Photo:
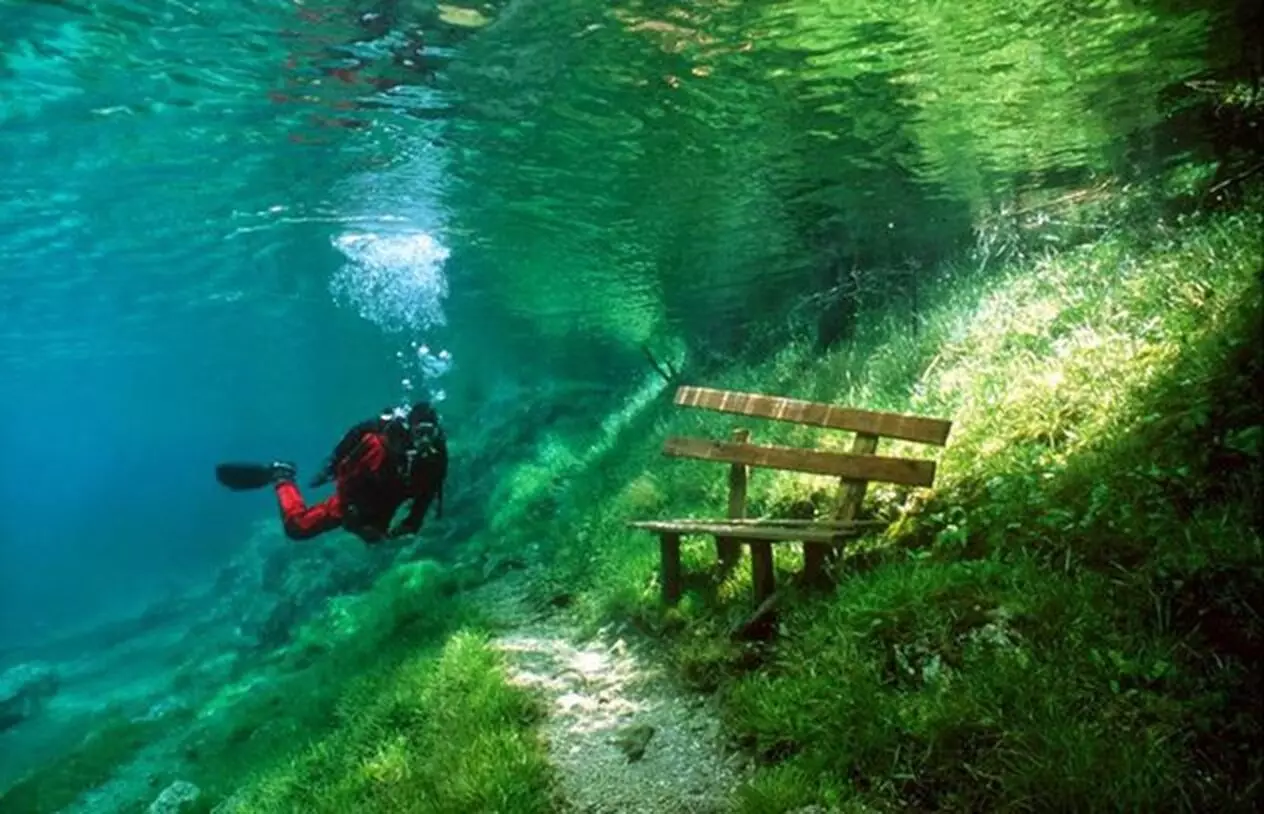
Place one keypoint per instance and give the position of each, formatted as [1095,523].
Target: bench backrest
[884,425]
[855,468]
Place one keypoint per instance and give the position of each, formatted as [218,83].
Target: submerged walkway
[622,737]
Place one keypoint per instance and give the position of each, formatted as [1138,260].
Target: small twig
[1069,198]
[1228,182]
[931,366]
[669,373]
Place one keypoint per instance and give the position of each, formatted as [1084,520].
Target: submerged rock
[633,740]
[274,586]
[24,690]
[174,798]
[159,709]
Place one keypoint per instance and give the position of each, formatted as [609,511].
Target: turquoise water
[229,229]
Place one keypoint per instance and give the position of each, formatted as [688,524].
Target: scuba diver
[379,465]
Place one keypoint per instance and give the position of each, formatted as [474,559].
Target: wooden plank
[888,425]
[775,534]
[907,471]
[762,578]
[669,545]
[729,551]
[850,496]
[762,522]
[814,555]
[852,490]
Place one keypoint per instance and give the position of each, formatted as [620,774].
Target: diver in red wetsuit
[378,466]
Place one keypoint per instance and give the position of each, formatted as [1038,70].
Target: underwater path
[622,736]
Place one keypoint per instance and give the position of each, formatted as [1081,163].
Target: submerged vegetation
[438,732]
[89,764]
[388,699]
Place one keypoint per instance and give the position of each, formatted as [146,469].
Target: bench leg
[669,544]
[761,570]
[727,552]
[814,556]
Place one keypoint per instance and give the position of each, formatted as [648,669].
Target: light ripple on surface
[616,170]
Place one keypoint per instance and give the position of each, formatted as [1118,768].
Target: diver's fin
[243,477]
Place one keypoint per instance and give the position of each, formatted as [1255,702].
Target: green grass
[438,732]
[1068,621]
[400,721]
[389,701]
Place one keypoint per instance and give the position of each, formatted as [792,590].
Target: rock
[174,798]
[24,690]
[160,709]
[233,805]
[274,586]
[632,740]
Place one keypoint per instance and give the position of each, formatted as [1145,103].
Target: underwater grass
[1070,620]
[442,731]
[372,711]
[56,785]
[386,702]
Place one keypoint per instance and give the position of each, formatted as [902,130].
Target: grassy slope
[388,702]
[1070,621]
[440,731]
[91,763]
[399,706]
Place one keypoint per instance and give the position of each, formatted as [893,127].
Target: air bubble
[396,282]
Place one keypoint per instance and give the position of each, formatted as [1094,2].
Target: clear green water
[223,221]
[607,167]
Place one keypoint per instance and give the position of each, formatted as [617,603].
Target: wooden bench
[820,538]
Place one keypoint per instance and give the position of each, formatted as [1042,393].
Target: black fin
[244,477]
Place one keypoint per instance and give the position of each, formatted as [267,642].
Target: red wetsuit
[369,490]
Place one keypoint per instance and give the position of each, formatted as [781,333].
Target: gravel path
[623,738]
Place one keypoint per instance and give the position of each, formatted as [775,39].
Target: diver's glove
[283,471]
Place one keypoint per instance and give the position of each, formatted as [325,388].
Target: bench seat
[780,531]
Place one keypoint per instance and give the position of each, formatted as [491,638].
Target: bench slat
[888,425]
[835,535]
[907,471]
[767,522]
